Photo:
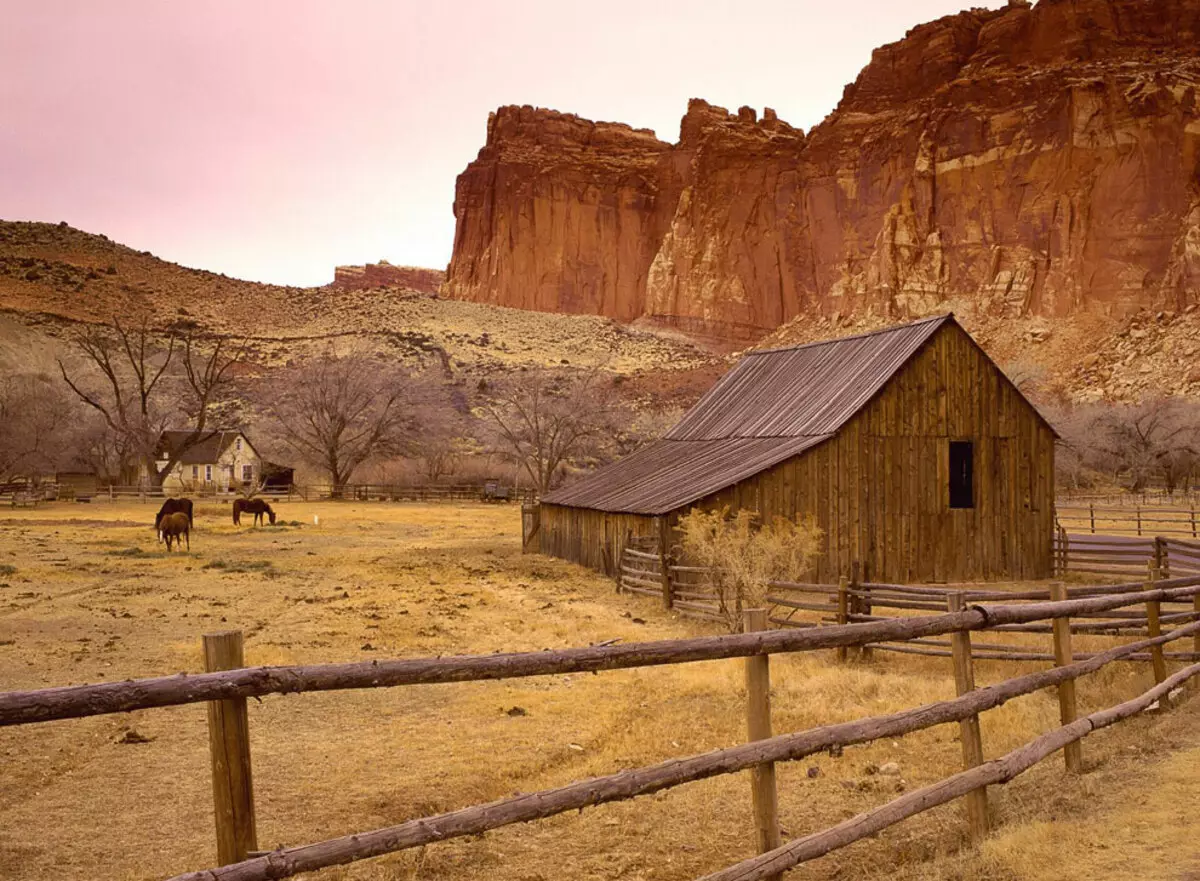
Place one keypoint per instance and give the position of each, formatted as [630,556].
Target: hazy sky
[274,139]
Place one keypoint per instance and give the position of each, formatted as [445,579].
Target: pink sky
[274,139]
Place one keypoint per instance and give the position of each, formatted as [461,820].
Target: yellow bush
[744,556]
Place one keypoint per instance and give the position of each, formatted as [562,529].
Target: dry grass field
[86,596]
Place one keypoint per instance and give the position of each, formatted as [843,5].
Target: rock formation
[1033,160]
[385,275]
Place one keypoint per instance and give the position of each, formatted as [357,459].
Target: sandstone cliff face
[385,275]
[557,214]
[1034,161]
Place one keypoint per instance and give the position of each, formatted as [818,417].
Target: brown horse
[257,507]
[173,526]
[171,506]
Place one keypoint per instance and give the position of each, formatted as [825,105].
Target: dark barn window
[962,474]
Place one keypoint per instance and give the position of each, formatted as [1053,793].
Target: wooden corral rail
[231,685]
[1089,554]
[1136,520]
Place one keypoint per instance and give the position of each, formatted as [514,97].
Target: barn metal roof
[803,390]
[666,475]
[771,406]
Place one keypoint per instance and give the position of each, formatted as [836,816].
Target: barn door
[531,522]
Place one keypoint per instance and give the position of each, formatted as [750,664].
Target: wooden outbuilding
[912,451]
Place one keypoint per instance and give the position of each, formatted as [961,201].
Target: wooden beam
[1063,657]
[968,728]
[1154,628]
[764,796]
[229,745]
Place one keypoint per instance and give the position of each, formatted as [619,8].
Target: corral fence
[20,494]
[692,591]
[1137,520]
[228,684]
[1123,556]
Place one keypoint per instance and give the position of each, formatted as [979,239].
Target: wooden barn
[915,455]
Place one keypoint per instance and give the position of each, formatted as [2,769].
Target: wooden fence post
[1092,511]
[1139,519]
[968,728]
[229,744]
[763,792]
[859,602]
[1193,521]
[1154,628]
[843,612]
[1162,556]
[1063,655]
[664,560]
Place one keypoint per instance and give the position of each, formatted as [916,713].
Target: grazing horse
[175,525]
[257,507]
[172,506]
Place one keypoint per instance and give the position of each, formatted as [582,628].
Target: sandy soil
[86,595]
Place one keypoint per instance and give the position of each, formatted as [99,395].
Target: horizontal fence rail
[77,701]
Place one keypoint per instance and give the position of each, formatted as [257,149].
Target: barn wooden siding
[582,535]
[879,489]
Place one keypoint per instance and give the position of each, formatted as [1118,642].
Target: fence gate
[531,522]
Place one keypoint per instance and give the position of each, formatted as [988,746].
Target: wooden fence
[294,492]
[1123,556]
[228,689]
[1131,520]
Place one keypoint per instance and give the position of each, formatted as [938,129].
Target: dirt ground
[87,596]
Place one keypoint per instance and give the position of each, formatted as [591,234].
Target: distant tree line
[1135,447]
[120,386]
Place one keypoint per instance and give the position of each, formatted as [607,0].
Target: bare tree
[1158,438]
[339,413]
[545,421]
[141,387]
[35,421]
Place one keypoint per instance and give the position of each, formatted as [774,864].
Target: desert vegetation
[1154,443]
[743,556]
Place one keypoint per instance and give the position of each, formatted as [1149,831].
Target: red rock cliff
[1035,160]
[385,275]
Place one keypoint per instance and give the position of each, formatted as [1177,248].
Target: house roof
[774,404]
[206,452]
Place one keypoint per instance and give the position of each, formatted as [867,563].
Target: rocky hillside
[54,277]
[385,275]
[1031,161]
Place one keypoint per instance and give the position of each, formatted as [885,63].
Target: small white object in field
[316,520]
[890,769]
[575,747]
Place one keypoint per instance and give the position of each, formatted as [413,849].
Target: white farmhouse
[221,461]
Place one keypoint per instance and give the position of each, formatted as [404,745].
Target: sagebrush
[744,555]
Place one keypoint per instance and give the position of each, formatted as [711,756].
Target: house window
[195,472]
[237,444]
[247,473]
[962,474]
[208,474]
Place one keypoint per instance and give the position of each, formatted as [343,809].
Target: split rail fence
[1136,520]
[227,685]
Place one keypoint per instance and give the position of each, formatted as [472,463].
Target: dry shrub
[744,556]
